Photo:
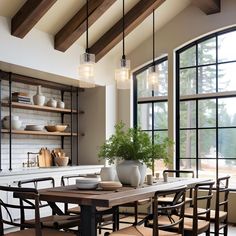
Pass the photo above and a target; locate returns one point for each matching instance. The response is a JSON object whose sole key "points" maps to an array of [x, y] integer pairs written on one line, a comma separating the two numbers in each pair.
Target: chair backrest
{"points": [[222, 195], [180, 173], [7, 209], [202, 196], [69, 179], [175, 208]]}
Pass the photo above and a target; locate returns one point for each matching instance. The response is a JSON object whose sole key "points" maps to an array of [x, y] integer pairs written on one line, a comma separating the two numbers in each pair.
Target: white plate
{"points": [[87, 180], [34, 127], [87, 185]]}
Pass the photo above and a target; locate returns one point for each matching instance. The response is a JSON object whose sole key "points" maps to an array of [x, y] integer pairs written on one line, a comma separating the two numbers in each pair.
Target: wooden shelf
{"points": [[38, 108], [45, 133]]}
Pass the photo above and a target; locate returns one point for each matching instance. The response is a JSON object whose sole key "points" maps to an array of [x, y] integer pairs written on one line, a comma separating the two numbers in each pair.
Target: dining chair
{"points": [[104, 215], [193, 225], [8, 209], [178, 173], [219, 216], [150, 226], [59, 220]]}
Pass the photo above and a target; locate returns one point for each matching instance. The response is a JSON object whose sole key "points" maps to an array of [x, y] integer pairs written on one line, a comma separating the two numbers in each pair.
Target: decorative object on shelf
{"points": [[52, 102], [60, 104], [55, 128], [45, 158], [61, 161], [135, 145], [15, 122], [87, 60], [21, 98], [38, 98], [34, 127], [135, 176], [110, 185], [107, 173], [122, 74], [152, 79]]}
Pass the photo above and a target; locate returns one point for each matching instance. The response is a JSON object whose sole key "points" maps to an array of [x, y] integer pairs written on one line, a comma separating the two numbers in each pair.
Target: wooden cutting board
{"points": [[45, 158]]}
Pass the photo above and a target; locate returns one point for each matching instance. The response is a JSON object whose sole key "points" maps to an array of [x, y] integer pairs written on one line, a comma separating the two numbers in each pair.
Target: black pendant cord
{"points": [[123, 27], [153, 38], [87, 15]]}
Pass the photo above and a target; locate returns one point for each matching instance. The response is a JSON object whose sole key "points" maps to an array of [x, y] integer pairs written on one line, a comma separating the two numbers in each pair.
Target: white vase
{"points": [[38, 98], [124, 169], [135, 176], [107, 173]]}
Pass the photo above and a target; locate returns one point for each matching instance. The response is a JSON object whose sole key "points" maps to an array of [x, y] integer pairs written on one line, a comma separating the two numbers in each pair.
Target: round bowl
{"points": [[55, 128], [110, 185], [34, 127], [15, 124], [87, 183], [61, 161]]}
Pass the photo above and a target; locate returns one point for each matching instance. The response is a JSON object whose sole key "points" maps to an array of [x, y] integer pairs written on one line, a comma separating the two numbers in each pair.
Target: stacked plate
{"points": [[87, 183], [110, 185], [34, 127]]}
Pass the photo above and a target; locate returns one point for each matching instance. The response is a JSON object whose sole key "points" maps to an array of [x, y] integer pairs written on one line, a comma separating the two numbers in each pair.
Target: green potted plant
{"points": [[134, 147]]}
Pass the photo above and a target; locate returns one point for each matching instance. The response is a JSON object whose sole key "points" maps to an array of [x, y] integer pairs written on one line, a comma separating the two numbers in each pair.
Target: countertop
{"points": [[34, 170]]}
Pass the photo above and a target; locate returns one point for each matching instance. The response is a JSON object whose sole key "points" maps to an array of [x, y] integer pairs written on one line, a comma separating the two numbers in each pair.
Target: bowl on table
{"points": [[55, 128], [87, 183]]}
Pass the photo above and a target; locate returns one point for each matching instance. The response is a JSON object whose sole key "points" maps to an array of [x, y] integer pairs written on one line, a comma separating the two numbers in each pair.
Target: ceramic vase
{"points": [[107, 173], [124, 169], [38, 98], [135, 176], [60, 104], [52, 102]]}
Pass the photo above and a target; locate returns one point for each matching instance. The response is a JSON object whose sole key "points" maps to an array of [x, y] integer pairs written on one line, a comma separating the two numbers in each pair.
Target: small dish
{"points": [[34, 127], [55, 128], [110, 185]]}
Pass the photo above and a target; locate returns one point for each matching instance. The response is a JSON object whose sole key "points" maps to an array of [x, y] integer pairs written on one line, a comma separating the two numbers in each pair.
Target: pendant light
{"points": [[152, 79], [122, 74], [87, 60]]}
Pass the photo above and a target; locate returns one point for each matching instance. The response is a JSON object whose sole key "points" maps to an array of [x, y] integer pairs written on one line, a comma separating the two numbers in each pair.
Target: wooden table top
{"points": [[104, 198]]}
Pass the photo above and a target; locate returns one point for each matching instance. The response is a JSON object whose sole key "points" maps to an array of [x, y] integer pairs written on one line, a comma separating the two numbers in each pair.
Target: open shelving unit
{"points": [[73, 112]]}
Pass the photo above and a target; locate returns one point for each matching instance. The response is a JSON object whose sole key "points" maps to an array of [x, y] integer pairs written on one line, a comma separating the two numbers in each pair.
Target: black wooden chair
{"points": [[8, 209], [150, 225], [104, 215], [59, 220]]}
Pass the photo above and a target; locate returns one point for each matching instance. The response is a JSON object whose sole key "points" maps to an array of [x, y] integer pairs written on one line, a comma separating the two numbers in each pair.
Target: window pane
{"points": [[160, 135], [207, 143], [207, 169], [227, 148], [188, 57], [228, 167], [227, 81], [188, 164], [143, 91], [188, 81], [227, 112], [188, 114], [207, 52], [162, 70], [207, 113], [160, 115], [187, 143], [207, 79], [227, 47], [145, 116]]}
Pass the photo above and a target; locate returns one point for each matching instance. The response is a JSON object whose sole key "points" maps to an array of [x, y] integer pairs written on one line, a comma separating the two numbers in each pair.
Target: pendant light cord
{"points": [[123, 27], [87, 15], [153, 39]]}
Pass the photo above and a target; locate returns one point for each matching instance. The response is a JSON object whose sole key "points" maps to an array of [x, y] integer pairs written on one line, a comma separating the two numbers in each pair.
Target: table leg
{"points": [[88, 225]]}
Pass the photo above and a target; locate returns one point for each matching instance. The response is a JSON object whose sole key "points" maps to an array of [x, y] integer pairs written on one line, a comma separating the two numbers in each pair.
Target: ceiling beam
{"points": [[28, 15], [77, 25], [132, 19], [208, 6]]}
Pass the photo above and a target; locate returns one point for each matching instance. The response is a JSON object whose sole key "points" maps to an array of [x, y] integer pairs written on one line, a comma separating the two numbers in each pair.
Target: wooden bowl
{"points": [[55, 128], [61, 161]]}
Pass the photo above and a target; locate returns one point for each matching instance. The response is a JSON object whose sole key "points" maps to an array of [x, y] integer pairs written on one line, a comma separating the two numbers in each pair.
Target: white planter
{"points": [[125, 168]]}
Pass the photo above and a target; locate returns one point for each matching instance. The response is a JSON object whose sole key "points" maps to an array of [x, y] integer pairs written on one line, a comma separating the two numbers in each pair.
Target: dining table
{"points": [[89, 199]]}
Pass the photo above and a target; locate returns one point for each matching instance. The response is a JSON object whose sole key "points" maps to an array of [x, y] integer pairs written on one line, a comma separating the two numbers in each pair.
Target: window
{"points": [[205, 106], [150, 106]]}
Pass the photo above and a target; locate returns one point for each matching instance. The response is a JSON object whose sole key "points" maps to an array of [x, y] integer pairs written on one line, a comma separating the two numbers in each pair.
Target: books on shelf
{"points": [[21, 97]]}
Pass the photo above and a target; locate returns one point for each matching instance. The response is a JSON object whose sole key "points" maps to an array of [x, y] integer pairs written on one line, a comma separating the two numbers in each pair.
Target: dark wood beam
{"points": [[28, 15], [77, 25], [208, 6], [132, 19]]}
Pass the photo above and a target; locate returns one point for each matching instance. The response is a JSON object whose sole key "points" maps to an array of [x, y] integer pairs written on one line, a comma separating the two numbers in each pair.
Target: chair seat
{"points": [[141, 231], [165, 200], [77, 210], [188, 223], [45, 232], [58, 221], [189, 213]]}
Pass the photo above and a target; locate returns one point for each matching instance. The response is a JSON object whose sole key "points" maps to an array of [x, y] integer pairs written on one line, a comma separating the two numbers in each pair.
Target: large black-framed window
{"points": [[205, 106], [151, 106]]}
